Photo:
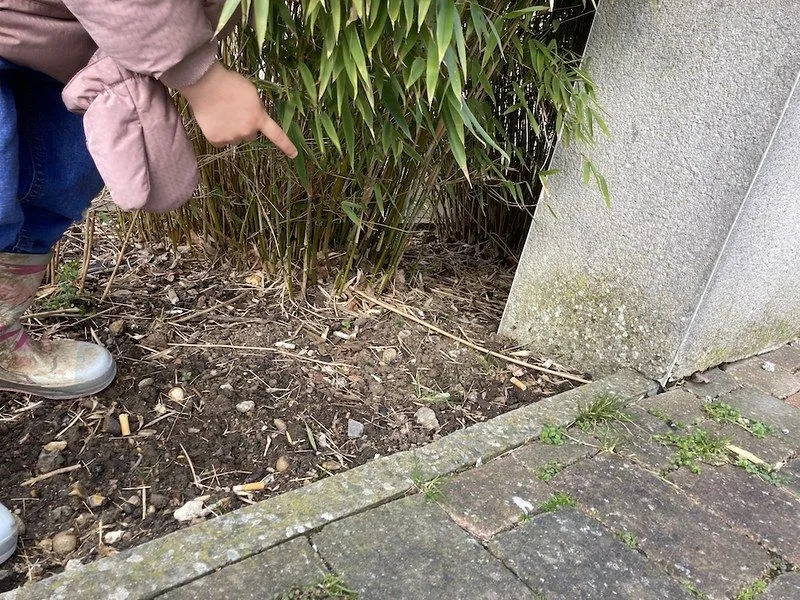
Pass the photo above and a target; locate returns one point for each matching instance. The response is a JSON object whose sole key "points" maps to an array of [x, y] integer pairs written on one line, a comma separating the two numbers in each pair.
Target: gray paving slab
{"points": [[687, 539], [757, 405], [634, 440], [719, 382], [786, 357], [567, 555], [783, 587], [536, 455], [267, 575], [678, 406], [777, 382], [773, 448], [491, 498], [770, 514], [791, 473], [409, 548]]}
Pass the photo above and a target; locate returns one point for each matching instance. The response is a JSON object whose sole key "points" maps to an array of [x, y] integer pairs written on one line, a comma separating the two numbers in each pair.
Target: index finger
{"points": [[277, 136]]}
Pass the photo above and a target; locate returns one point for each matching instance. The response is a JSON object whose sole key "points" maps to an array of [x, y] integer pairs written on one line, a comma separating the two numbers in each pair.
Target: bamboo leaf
{"points": [[308, 81], [445, 20], [417, 68], [432, 72], [348, 129], [327, 124], [228, 10], [423, 7]]}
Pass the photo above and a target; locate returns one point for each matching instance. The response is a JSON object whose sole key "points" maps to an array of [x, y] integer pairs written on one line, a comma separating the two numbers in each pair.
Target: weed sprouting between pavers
{"points": [[549, 470], [431, 489], [752, 591], [556, 501], [629, 539], [330, 588], [553, 435], [605, 409], [725, 413], [695, 447], [692, 589], [764, 473]]}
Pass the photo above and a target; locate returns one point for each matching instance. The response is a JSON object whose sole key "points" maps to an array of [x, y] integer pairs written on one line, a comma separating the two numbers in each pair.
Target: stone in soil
{"points": [[426, 417], [245, 406], [750, 372], [783, 587], [482, 500], [409, 548], [49, 461], [566, 555], [689, 541], [355, 429], [289, 566], [763, 510], [64, 543]]}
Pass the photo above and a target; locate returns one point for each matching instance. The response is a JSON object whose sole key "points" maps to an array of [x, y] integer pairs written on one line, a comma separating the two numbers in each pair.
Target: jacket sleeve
{"points": [[171, 40]]}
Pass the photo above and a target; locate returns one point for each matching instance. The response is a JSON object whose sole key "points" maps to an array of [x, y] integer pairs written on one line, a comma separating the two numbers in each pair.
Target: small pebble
{"points": [[427, 418], [146, 382], [112, 537], [111, 426], [64, 543], [227, 389], [159, 501], [355, 429], [768, 366], [96, 501], [282, 464], [389, 355], [49, 461], [58, 446], [177, 394], [116, 327], [61, 512], [246, 406], [280, 425]]}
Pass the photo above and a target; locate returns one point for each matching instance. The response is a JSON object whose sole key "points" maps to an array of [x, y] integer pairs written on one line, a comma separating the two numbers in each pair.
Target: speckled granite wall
{"points": [[698, 260]]}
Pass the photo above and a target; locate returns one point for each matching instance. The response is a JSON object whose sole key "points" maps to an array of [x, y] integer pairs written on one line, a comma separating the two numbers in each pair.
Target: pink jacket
{"points": [[116, 57]]}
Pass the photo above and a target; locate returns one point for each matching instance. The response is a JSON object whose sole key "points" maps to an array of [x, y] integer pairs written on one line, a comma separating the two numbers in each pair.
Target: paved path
{"points": [[603, 492]]}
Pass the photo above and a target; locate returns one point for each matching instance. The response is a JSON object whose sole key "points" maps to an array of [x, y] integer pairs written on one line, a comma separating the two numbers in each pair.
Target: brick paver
{"points": [[784, 587], [410, 549], [769, 513], [778, 382], [719, 382], [689, 541], [266, 575], [567, 555]]}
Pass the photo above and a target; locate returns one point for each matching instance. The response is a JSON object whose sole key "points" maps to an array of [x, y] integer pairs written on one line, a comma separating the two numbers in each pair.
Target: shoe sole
{"points": [[68, 392], [7, 547]]}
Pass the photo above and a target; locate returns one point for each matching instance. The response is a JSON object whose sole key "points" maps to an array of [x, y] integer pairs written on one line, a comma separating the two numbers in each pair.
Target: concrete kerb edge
{"points": [[183, 556]]}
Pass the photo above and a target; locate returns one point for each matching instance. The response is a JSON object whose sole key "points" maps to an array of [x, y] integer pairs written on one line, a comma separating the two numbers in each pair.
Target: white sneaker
{"points": [[8, 534]]}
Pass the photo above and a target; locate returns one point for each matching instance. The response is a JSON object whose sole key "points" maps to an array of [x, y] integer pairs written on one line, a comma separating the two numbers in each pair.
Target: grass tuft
{"points": [[692, 448], [605, 409], [556, 501]]}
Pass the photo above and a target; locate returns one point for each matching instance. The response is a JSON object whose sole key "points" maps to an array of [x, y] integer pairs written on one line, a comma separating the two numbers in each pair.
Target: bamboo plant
{"points": [[400, 109]]}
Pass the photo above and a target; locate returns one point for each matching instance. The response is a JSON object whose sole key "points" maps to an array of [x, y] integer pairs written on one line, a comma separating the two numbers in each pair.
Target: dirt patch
{"points": [[227, 382]]}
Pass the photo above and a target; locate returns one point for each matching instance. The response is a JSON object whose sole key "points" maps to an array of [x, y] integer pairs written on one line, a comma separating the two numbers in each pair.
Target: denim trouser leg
{"points": [[47, 177]]}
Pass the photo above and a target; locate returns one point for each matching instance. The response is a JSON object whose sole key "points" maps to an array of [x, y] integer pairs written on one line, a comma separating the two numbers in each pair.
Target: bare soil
{"points": [[227, 381]]}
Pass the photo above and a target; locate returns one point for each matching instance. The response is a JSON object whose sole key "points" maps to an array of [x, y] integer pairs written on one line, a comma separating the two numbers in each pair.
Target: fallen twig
{"points": [[200, 313], [50, 474], [263, 349], [469, 344]]}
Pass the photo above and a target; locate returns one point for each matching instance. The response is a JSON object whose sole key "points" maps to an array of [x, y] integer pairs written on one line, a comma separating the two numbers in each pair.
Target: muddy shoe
{"points": [[59, 369], [8, 534]]}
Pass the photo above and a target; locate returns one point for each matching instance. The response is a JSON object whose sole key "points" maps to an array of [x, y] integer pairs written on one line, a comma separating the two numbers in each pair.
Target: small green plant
{"points": [[692, 448], [331, 587], [548, 471], [761, 471], [692, 589], [629, 539], [67, 290], [431, 489], [553, 435], [606, 409], [428, 395], [525, 517], [753, 590], [556, 501], [725, 413]]}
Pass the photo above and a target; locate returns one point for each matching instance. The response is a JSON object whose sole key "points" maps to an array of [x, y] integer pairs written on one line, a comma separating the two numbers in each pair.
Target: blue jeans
{"points": [[47, 177]]}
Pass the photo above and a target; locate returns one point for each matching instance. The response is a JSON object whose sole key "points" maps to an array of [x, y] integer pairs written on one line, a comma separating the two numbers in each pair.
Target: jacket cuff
{"points": [[191, 68]]}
